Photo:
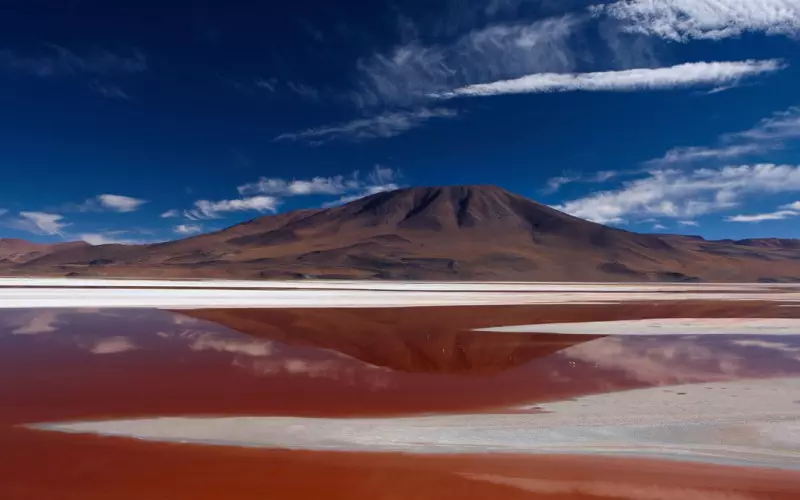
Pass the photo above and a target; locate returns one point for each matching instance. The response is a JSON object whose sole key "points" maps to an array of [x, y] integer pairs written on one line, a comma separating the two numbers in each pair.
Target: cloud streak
{"points": [[411, 72], [674, 77], [784, 212], [382, 126]]}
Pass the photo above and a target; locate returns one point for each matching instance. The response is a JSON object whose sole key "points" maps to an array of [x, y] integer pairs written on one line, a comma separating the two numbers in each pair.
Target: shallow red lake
{"points": [[65, 365]]}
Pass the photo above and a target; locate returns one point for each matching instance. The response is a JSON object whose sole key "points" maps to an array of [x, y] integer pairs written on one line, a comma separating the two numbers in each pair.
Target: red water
{"points": [[78, 365]]}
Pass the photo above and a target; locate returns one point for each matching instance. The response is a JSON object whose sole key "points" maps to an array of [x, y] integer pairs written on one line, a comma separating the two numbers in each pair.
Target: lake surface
{"points": [[370, 368]]}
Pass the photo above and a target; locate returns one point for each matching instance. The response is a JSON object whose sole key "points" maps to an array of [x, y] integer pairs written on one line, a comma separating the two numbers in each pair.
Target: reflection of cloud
{"points": [[213, 342], [112, 345], [767, 344], [199, 340], [179, 319], [352, 373], [40, 322], [661, 361]]}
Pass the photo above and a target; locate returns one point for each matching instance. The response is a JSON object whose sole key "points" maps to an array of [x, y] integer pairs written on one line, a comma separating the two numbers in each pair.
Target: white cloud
{"points": [[188, 229], [385, 125], [380, 179], [41, 222], [317, 185], [689, 223], [674, 77], [169, 214], [779, 215], [119, 203], [792, 206], [679, 194], [659, 227], [682, 20], [205, 209], [412, 71], [767, 135]]}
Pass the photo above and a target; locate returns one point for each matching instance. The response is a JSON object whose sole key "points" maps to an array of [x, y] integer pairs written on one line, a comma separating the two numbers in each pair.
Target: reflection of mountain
{"points": [[424, 341]]}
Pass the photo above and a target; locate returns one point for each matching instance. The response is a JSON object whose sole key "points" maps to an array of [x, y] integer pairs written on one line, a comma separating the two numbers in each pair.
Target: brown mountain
{"points": [[438, 233], [17, 251]]}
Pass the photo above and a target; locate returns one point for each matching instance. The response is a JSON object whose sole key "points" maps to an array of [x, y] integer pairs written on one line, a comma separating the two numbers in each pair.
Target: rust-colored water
{"points": [[79, 365]]}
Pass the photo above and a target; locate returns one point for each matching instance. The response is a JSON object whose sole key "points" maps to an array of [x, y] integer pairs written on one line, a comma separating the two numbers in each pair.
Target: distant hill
{"points": [[17, 251], [429, 233]]}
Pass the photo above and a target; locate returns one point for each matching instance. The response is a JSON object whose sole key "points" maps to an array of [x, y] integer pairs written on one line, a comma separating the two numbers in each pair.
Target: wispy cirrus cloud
{"points": [[206, 209], [769, 134], [305, 91], [679, 194], [109, 90], [413, 71], [169, 214], [54, 61], [100, 70], [683, 20], [687, 75], [382, 126]]}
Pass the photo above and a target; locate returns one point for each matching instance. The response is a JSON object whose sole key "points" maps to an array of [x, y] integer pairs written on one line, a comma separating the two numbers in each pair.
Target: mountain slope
{"points": [[17, 251], [436, 233]]}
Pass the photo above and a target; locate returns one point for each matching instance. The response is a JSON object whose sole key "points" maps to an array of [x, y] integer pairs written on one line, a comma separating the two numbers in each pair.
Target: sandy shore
{"points": [[750, 422]]}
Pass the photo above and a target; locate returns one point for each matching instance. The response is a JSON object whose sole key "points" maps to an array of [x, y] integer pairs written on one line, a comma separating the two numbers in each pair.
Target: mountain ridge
{"points": [[432, 233]]}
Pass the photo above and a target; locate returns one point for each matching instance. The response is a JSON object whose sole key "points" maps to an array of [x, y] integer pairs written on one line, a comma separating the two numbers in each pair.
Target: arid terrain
{"points": [[446, 233]]}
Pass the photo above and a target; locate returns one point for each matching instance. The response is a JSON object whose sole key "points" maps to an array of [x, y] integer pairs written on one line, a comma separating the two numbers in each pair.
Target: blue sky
{"points": [[144, 121]]}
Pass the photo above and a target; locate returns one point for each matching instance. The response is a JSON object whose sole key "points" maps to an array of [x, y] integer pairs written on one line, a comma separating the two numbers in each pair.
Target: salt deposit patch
{"points": [[755, 422], [665, 326]]}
